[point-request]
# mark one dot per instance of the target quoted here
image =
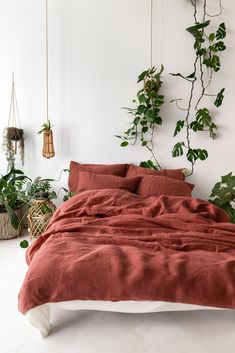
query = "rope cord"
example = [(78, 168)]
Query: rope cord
[(151, 33), (14, 110), (47, 84)]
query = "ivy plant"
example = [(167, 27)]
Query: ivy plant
[(223, 195), (196, 116), (145, 115)]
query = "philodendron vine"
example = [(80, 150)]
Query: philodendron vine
[(196, 116), (145, 114)]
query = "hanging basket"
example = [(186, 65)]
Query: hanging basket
[(6, 229), (48, 145), (13, 136), (39, 216)]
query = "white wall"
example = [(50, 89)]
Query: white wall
[(97, 50)]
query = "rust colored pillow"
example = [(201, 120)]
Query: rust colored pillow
[(92, 181), (76, 168), (151, 185), (133, 171)]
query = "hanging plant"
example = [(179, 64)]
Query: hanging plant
[(197, 117), (48, 150), (13, 136), (146, 115)]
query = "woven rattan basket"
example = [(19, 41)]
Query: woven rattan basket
[(39, 216), (6, 229)]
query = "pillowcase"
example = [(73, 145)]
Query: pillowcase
[(92, 181), (76, 168), (133, 171), (151, 185)]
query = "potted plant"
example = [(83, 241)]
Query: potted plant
[(48, 144), (12, 199), (40, 195)]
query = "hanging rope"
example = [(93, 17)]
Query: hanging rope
[(151, 33), (47, 84), (14, 111)]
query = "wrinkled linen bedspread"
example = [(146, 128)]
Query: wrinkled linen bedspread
[(114, 245)]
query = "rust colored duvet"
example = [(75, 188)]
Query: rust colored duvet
[(114, 245)]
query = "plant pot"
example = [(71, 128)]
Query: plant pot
[(6, 229), (48, 145), (39, 217)]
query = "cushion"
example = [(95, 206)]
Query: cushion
[(133, 171), (151, 185), (92, 181), (76, 168)]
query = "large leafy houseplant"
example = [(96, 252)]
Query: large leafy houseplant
[(223, 195), (12, 195)]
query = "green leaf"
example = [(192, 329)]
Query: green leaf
[(199, 26), (213, 62), (179, 127), (141, 109), (142, 98), (124, 144), (144, 129), (221, 31), (142, 76), (195, 126), (178, 149), (219, 99), (148, 164), (202, 154), (144, 143), (220, 46), (211, 37), (194, 154), (226, 178), (24, 244), (203, 117)]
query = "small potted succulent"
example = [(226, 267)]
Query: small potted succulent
[(12, 199)]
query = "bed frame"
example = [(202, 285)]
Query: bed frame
[(40, 316)]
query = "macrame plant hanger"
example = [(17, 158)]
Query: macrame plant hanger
[(13, 136), (48, 145)]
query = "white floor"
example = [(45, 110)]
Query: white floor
[(94, 332)]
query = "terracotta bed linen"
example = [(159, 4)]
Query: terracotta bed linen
[(114, 245)]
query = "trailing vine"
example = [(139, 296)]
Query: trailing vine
[(146, 115), (197, 117)]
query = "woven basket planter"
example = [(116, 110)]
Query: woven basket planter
[(6, 229), (39, 217)]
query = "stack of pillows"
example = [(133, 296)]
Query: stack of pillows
[(143, 181)]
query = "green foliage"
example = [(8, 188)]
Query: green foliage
[(219, 98), (24, 244), (148, 164), (40, 189), (12, 194), (223, 195), (208, 46), (45, 127), (146, 112)]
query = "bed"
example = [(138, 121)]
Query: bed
[(132, 241)]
